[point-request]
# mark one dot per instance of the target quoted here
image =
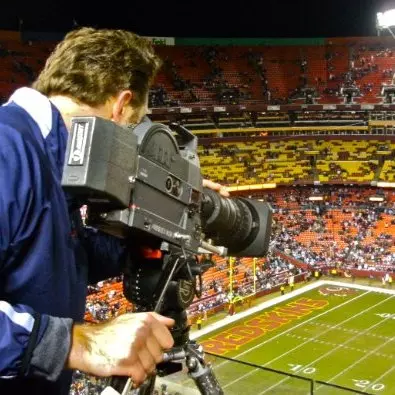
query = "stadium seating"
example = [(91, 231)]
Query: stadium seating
[(388, 171), (289, 162), (326, 68), (206, 75), (348, 230), (106, 301)]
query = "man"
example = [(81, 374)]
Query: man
[(199, 322), (291, 281), (46, 256)]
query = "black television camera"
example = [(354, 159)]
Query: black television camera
[(144, 182)]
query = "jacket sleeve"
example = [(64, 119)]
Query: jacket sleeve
[(26, 337), (31, 344)]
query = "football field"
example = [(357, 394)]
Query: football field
[(337, 333)]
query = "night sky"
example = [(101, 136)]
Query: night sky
[(191, 18)]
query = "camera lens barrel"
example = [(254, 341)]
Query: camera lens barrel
[(242, 225)]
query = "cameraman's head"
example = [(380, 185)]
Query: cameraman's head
[(104, 73)]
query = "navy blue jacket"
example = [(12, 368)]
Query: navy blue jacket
[(47, 258)]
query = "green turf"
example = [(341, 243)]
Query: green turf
[(345, 343)]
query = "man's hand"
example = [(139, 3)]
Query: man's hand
[(131, 345), (216, 187)]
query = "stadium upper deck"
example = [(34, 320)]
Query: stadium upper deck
[(223, 72)]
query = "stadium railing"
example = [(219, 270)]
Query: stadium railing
[(237, 376)]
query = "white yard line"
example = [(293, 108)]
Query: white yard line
[(310, 340), (390, 370), (284, 333), (342, 345), (355, 331), (379, 354), (362, 359)]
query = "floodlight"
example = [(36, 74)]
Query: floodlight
[(386, 19)]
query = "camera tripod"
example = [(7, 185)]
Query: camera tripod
[(173, 279)]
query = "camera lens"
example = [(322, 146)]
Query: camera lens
[(241, 225)]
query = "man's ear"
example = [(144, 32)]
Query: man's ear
[(122, 100)]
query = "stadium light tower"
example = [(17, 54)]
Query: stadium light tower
[(386, 20)]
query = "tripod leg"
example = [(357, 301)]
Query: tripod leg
[(147, 388), (123, 386), (201, 372), (205, 380), (128, 387)]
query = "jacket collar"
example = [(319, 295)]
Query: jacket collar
[(36, 105)]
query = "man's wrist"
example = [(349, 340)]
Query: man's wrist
[(86, 351), (79, 346)]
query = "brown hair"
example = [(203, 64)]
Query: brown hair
[(91, 65)]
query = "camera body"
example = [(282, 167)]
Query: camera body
[(143, 179)]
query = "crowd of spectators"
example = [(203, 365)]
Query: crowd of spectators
[(87, 385), (355, 245), (103, 305), (158, 97), (268, 274), (91, 385)]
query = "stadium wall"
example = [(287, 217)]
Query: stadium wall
[(241, 42)]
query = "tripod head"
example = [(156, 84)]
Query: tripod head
[(166, 280)]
